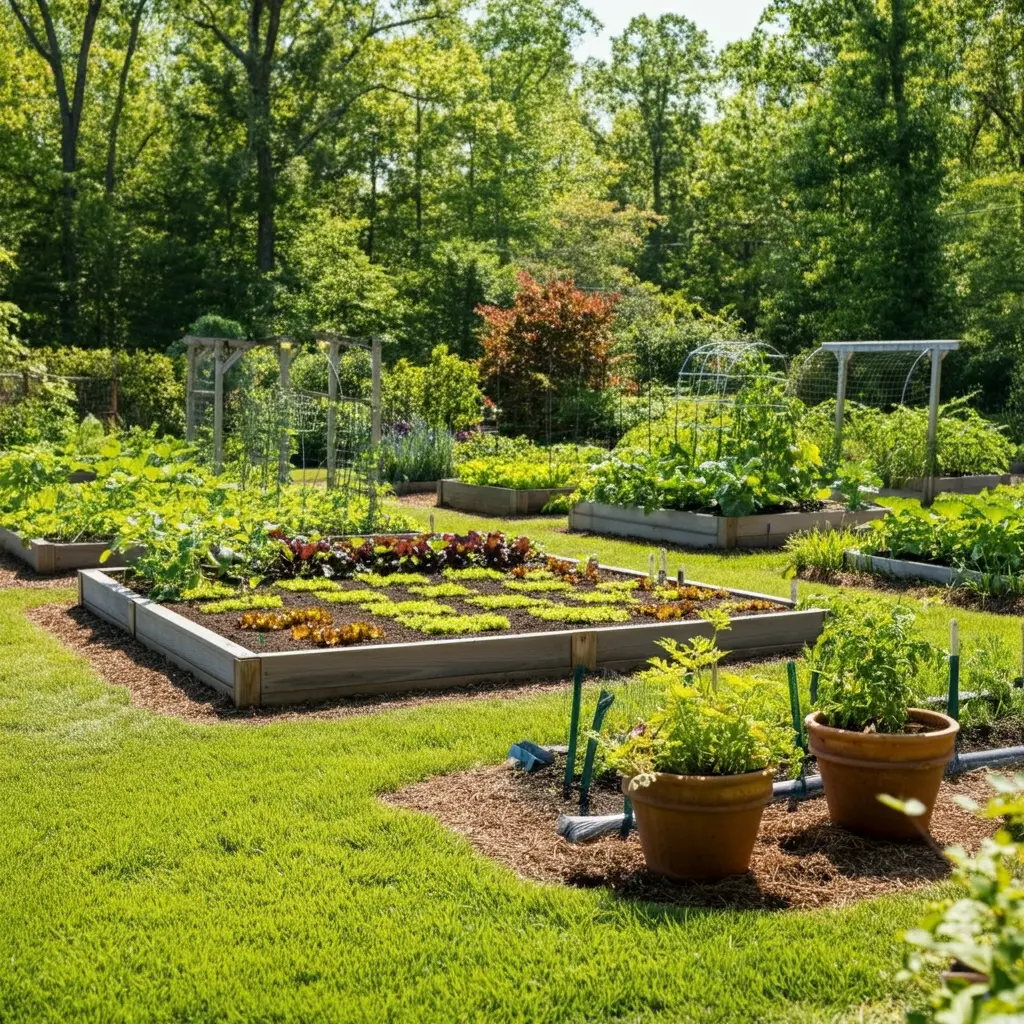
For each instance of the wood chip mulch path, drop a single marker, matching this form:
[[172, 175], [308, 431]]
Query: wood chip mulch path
[[15, 573], [158, 686], [801, 861]]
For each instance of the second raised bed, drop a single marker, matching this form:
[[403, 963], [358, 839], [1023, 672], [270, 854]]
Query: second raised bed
[[704, 530], [495, 501]]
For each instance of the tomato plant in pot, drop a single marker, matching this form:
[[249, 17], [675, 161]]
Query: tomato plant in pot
[[700, 769], [866, 734]]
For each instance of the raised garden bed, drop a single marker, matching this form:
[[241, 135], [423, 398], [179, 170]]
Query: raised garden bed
[[899, 568], [275, 668], [45, 556], [954, 485], [402, 487], [704, 530], [495, 501]]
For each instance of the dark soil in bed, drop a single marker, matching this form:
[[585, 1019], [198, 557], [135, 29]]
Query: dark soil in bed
[[800, 861], [227, 623]]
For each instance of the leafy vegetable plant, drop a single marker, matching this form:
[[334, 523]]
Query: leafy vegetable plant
[[868, 656]]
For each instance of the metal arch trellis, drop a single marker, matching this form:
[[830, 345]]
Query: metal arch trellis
[[717, 380]]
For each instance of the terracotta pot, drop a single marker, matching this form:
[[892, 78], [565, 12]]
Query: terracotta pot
[[700, 826], [856, 766]]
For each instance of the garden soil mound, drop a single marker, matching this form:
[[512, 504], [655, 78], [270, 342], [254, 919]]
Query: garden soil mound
[[800, 861]]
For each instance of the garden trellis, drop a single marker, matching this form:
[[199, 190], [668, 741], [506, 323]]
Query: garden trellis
[[882, 374], [346, 427], [720, 381]]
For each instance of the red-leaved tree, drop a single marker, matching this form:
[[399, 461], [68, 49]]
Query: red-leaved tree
[[551, 347]]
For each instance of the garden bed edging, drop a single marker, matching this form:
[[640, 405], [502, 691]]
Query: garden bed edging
[[704, 530], [291, 677], [899, 568], [495, 501], [45, 557]]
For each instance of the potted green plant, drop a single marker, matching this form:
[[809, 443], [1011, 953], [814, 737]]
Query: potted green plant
[[866, 734], [700, 769]]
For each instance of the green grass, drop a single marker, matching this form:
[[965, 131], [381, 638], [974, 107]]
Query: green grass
[[152, 870]]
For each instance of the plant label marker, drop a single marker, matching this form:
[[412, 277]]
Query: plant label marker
[[793, 591], [574, 723], [681, 575], [794, 706], [663, 571], [953, 700], [650, 567], [432, 524]]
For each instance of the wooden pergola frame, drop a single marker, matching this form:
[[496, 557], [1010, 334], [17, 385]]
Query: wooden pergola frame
[[936, 350], [227, 351]]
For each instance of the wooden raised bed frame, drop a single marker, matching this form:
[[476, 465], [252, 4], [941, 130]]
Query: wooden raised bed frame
[[703, 530], [292, 677], [915, 488], [495, 501], [903, 569], [46, 557]]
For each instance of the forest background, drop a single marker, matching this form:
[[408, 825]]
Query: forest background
[[849, 170]]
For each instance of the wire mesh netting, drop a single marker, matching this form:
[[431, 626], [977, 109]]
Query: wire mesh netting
[[882, 380], [95, 396], [269, 428]]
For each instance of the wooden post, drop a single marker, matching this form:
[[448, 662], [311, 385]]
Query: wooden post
[[218, 407], [332, 412], [190, 397], [583, 650], [284, 364], [844, 367], [933, 422]]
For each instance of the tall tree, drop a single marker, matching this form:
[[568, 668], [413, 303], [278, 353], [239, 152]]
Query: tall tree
[[44, 29], [656, 87], [311, 49]]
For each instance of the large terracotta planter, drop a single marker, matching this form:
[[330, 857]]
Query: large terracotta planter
[[857, 766], [700, 826]]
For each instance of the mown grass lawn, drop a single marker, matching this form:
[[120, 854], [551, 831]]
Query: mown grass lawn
[[153, 870]]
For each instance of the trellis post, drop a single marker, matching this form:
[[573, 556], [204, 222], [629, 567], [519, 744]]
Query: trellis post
[[218, 407], [190, 398], [933, 425], [284, 363], [332, 412], [844, 370], [375, 396]]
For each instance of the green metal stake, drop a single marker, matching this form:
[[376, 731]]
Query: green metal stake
[[794, 706], [814, 686], [574, 724], [953, 700], [604, 702]]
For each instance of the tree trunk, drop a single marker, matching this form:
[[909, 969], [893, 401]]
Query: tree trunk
[[122, 85], [259, 141]]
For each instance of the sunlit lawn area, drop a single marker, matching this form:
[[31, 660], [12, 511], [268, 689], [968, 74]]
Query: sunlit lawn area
[[156, 870]]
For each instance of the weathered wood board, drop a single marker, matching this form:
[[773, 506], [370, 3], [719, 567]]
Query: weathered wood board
[[52, 557], [703, 530], [494, 501], [291, 677]]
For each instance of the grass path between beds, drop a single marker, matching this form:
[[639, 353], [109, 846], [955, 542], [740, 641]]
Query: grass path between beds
[[154, 870]]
